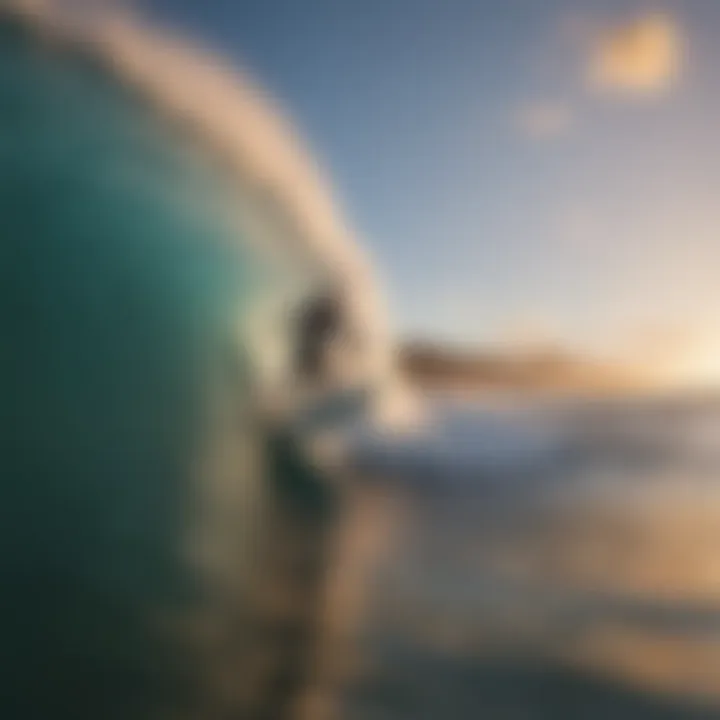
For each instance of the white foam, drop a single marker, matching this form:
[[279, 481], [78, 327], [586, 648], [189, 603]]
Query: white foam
[[235, 119]]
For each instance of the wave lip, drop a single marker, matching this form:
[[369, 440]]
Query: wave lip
[[232, 118]]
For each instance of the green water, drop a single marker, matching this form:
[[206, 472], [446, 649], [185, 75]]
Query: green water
[[142, 496]]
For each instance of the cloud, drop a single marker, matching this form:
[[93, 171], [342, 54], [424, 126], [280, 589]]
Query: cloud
[[544, 119], [642, 56]]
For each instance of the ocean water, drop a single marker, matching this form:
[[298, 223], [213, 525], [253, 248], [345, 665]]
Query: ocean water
[[146, 503], [545, 559], [164, 530]]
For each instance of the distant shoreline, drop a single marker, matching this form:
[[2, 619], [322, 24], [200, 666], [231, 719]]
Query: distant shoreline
[[437, 369]]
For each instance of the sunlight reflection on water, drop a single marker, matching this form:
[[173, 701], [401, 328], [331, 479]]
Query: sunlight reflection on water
[[594, 574]]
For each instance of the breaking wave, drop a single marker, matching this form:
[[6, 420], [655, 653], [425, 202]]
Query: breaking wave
[[285, 207]]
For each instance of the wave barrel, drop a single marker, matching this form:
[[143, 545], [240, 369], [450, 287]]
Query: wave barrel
[[163, 531]]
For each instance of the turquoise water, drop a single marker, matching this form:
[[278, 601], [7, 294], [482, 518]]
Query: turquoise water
[[144, 498]]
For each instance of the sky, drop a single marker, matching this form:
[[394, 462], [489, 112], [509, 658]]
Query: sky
[[521, 171]]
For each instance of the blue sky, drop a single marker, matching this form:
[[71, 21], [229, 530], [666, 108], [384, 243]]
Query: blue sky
[[521, 170]]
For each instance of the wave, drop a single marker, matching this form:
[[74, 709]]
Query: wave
[[147, 493], [227, 114]]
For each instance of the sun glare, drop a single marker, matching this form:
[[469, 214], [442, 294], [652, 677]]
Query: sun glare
[[701, 368]]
